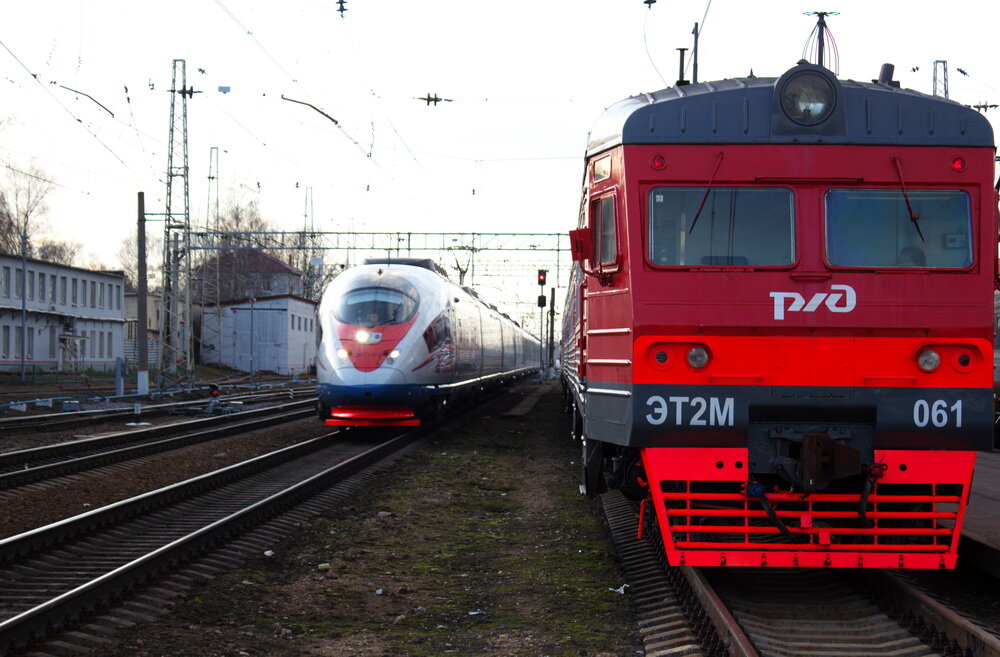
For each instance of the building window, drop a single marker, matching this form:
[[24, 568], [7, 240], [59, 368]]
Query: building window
[[18, 341], [18, 283], [31, 344], [41, 286], [111, 352], [6, 282], [93, 294], [118, 297], [52, 289], [31, 286], [100, 344], [52, 340], [62, 290], [75, 297], [5, 342]]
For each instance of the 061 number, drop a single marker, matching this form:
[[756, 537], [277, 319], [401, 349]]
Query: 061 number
[[937, 413]]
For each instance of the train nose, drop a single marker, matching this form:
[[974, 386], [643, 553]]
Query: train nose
[[383, 376]]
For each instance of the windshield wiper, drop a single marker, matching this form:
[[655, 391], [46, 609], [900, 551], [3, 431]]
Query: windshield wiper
[[914, 217], [704, 197]]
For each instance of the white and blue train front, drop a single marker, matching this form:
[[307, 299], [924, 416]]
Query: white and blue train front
[[400, 342]]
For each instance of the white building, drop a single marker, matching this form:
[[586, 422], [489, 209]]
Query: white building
[[270, 334], [73, 318]]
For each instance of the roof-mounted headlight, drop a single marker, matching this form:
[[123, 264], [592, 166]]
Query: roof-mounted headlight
[[808, 98]]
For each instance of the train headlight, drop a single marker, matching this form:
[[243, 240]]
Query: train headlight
[[928, 360], [367, 337], [394, 354], [808, 98], [342, 354], [698, 357]]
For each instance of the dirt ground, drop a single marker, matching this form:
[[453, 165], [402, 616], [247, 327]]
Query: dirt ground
[[477, 544]]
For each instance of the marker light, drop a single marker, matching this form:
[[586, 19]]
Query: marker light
[[928, 360], [362, 336], [808, 98], [698, 357], [658, 163], [958, 164], [342, 354], [394, 354]]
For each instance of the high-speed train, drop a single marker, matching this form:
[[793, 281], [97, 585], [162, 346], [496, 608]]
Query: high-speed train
[[400, 343]]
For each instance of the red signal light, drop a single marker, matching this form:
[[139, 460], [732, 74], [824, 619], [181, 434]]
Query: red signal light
[[958, 164], [542, 275]]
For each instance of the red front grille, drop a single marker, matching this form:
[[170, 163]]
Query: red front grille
[[912, 518]]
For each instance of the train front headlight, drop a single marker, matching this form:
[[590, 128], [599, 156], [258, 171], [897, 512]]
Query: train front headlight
[[698, 357], [928, 360], [342, 354], [808, 98]]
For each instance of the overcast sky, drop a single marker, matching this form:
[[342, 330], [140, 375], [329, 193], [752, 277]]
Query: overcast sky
[[526, 81]]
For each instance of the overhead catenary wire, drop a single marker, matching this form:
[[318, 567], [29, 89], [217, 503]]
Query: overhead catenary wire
[[66, 109]]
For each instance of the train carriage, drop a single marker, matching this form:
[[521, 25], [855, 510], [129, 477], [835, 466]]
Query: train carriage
[[779, 328]]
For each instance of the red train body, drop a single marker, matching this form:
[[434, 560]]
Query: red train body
[[779, 328]]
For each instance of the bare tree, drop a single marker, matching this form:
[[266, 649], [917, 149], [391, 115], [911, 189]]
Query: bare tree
[[128, 258], [64, 253], [21, 201]]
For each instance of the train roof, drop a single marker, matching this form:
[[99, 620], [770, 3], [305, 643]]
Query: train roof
[[751, 111], [425, 263]]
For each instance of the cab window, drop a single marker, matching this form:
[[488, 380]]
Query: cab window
[[876, 228], [721, 226], [602, 212], [375, 306]]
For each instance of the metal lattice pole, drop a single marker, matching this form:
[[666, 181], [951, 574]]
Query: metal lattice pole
[[176, 362], [944, 78]]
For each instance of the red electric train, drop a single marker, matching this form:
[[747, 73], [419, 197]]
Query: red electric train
[[779, 325]]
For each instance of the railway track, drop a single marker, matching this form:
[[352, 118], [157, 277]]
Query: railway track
[[64, 419], [21, 467], [783, 613], [52, 576]]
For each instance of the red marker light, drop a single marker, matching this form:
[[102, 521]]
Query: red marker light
[[658, 163], [958, 164]]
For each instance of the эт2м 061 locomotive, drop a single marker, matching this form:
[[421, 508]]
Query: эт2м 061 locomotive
[[779, 326]]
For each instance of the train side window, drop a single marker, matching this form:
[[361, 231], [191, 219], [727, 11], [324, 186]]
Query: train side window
[[602, 213], [885, 228]]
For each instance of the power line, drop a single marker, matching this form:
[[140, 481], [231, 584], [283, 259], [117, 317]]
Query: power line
[[66, 109], [250, 34]]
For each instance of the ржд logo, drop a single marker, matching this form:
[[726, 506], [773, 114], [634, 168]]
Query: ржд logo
[[832, 300]]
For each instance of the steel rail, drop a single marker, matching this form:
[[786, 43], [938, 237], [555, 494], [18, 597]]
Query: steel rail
[[34, 623], [73, 418], [40, 463]]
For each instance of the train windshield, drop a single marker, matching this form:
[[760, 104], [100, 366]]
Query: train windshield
[[375, 306], [721, 226], [920, 228]]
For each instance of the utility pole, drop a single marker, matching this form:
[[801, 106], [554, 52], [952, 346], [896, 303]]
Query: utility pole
[[944, 77], [176, 360], [141, 309], [211, 284], [24, 297]]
